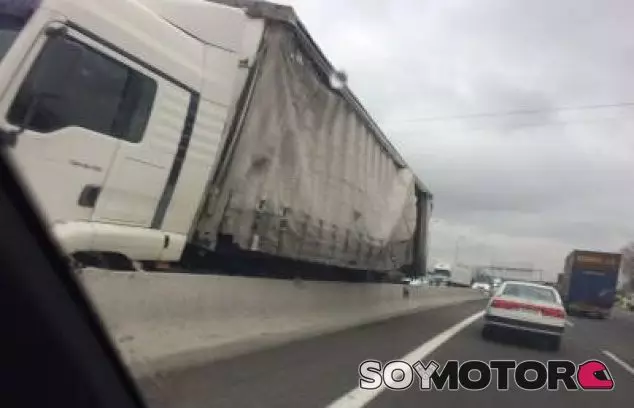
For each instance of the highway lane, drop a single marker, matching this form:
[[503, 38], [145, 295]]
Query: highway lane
[[318, 371], [617, 334], [308, 373], [585, 340]]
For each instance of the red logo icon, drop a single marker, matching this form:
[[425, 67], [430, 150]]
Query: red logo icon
[[594, 375]]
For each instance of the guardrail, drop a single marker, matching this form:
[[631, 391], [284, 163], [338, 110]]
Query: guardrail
[[164, 321]]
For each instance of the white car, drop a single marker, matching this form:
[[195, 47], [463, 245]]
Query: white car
[[414, 281], [526, 307], [485, 286]]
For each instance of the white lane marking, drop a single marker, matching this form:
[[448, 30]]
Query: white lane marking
[[569, 323], [358, 397], [620, 362]]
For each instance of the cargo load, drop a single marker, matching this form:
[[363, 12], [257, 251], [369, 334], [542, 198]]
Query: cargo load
[[304, 175]]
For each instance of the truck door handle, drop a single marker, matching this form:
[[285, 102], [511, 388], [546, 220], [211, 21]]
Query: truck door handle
[[89, 195]]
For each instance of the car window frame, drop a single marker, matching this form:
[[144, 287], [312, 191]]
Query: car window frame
[[556, 298]]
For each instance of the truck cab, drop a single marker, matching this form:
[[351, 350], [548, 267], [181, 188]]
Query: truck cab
[[106, 116], [440, 275]]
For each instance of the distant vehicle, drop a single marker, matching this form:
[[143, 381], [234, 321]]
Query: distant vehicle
[[526, 307], [482, 285], [461, 275], [440, 275], [588, 284], [414, 281], [483, 282]]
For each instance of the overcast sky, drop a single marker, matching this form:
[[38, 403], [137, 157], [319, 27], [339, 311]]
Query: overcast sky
[[520, 189]]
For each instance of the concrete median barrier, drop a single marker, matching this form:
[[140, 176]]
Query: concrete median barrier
[[166, 321]]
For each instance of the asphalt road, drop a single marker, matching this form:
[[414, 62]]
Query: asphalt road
[[319, 371]]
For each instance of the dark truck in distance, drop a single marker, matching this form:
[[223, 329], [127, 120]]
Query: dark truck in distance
[[588, 283]]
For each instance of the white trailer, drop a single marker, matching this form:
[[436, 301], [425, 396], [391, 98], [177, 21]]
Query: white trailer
[[145, 126], [461, 275]]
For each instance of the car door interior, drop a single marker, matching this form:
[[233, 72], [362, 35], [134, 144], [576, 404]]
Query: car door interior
[[55, 349]]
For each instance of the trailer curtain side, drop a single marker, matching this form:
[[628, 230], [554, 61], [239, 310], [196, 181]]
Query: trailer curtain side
[[303, 176]]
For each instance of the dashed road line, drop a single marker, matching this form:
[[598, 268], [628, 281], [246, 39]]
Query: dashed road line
[[620, 362]]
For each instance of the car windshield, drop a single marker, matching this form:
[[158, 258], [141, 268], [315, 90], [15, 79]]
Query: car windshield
[[530, 292], [231, 175]]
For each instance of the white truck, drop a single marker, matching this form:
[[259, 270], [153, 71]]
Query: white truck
[[153, 129], [447, 275], [461, 275], [440, 275]]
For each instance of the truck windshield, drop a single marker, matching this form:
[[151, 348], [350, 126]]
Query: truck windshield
[[442, 272]]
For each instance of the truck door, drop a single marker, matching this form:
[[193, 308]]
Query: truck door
[[594, 288], [61, 112], [149, 127]]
